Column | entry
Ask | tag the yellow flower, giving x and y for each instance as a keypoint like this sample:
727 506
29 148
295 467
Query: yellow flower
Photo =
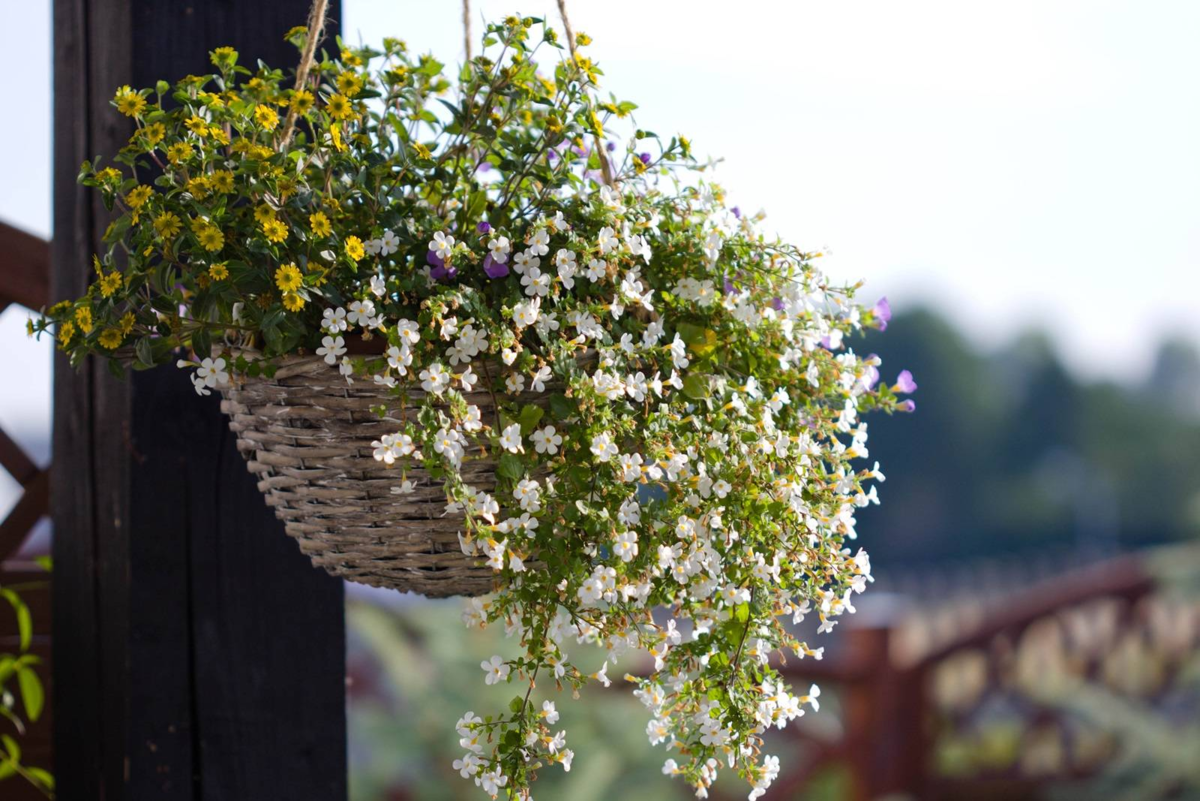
153 133
302 101
339 107
138 196
218 272
222 181
111 338
127 323
109 283
274 230
198 187
129 102
335 133
292 301
83 318
422 151
167 224
349 84
65 332
211 238
109 174
354 248
263 213
320 224
197 125
224 56
218 135
266 117
288 278
351 58
180 151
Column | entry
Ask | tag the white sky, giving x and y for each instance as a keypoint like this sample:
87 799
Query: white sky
1014 163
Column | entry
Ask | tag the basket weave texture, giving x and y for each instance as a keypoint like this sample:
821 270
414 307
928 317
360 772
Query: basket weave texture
307 435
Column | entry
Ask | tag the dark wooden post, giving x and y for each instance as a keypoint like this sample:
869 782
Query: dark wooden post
198 654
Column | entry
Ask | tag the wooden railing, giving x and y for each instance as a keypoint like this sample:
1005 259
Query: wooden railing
25 280
900 706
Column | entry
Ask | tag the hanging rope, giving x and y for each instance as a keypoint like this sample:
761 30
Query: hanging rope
316 28
605 167
467 27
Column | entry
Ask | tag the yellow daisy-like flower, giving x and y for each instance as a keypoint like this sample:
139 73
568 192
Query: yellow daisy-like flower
138 196
65 332
211 238
197 125
180 151
349 84
218 135
288 278
108 174
224 56
266 117
111 338
129 102
422 151
109 283
354 248
221 181
292 301
83 318
339 107
152 134
167 224
218 272
302 101
319 224
335 133
263 213
198 187
351 58
127 321
274 230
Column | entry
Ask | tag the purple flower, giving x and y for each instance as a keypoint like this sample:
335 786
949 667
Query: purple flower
737 212
645 157
777 304
883 313
908 406
905 383
872 376
610 146
442 273
434 259
579 151
493 268
483 227
729 287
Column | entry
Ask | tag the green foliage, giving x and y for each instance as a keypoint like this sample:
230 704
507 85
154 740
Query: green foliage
21 667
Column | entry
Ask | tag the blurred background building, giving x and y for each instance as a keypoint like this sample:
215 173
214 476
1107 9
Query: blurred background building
1022 181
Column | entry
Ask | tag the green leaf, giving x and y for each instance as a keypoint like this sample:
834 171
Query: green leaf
529 417
561 407
32 694
742 613
516 704
45 563
42 776
696 387
7 767
24 623
511 466
12 747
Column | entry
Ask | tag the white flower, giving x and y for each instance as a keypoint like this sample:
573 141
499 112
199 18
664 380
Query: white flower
496 670
547 440
549 713
596 269
468 379
442 245
212 372
603 447
536 282
524 261
491 782
721 488
500 248
539 243
607 240
560 224
378 286
528 495
601 675
362 312
373 246
334 320
406 487
346 368
398 359
626 546
408 330
510 440
435 379
540 378
331 349
525 314
515 383
389 243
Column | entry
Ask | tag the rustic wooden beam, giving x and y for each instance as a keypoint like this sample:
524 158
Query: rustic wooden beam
24 268
199 655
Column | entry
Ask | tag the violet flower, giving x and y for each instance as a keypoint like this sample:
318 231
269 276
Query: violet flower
908 406
905 383
644 157
483 227
493 268
737 212
883 313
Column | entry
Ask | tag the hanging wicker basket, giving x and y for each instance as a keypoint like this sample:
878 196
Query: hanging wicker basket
307 435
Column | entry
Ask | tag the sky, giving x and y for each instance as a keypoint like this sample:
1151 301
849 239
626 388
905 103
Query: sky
1014 164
